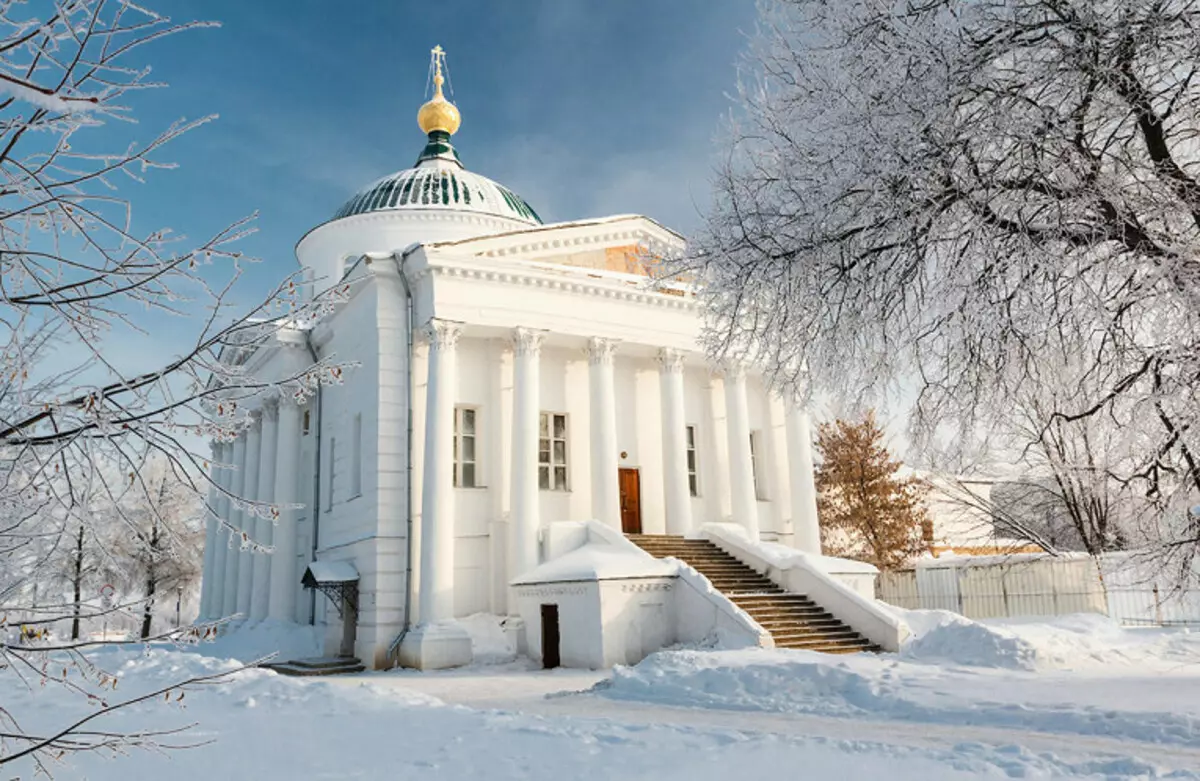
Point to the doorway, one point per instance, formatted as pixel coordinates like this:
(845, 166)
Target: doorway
(550, 637)
(630, 484)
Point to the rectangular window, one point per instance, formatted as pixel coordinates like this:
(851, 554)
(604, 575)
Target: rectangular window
(465, 463)
(356, 458)
(332, 463)
(692, 471)
(756, 461)
(307, 421)
(552, 452)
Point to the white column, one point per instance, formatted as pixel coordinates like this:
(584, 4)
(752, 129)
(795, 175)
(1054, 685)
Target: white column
(210, 535)
(606, 489)
(216, 603)
(741, 466)
(523, 529)
(281, 601)
(674, 431)
(438, 642)
(437, 490)
(498, 474)
(714, 460)
(805, 525)
(264, 526)
(249, 518)
(236, 487)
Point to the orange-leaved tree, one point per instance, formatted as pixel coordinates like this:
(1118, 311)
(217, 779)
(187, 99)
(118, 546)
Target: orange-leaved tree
(867, 510)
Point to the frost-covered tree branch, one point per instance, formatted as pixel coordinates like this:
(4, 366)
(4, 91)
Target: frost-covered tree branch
(79, 276)
(976, 194)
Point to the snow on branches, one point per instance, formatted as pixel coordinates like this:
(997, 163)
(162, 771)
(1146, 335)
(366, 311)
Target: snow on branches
(989, 197)
(77, 427)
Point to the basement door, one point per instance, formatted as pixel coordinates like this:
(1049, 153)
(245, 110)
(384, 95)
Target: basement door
(630, 484)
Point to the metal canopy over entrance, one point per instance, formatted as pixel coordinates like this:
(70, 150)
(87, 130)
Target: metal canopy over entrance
(338, 580)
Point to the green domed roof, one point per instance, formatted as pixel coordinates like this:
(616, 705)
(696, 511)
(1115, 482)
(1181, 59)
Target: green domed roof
(440, 188)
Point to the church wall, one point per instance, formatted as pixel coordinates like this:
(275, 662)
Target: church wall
(647, 402)
(473, 508)
(698, 410)
(763, 422)
(563, 389)
(636, 614)
(386, 464)
(365, 424)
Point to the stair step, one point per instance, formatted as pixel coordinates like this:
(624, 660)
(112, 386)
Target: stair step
(829, 649)
(790, 611)
(824, 635)
(783, 599)
(793, 620)
(311, 667)
(823, 647)
(784, 623)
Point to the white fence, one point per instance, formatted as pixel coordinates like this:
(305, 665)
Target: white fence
(1022, 585)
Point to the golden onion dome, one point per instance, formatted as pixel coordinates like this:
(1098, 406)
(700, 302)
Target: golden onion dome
(438, 113)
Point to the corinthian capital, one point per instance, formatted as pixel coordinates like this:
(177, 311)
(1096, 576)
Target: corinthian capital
(527, 341)
(441, 334)
(600, 351)
(670, 360)
(732, 370)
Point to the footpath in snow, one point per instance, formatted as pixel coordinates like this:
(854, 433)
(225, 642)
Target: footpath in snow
(1078, 698)
(1079, 675)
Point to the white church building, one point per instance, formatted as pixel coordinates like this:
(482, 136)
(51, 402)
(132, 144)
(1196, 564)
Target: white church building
(525, 397)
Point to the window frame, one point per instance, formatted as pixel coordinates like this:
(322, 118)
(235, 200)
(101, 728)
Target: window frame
(691, 460)
(457, 448)
(551, 465)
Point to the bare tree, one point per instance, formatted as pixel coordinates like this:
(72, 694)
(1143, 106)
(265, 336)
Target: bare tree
(75, 277)
(159, 540)
(975, 194)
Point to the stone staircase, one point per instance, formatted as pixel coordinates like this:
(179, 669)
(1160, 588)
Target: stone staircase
(323, 665)
(793, 620)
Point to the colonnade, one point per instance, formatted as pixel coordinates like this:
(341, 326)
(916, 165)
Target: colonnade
(436, 583)
(255, 471)
(261, 464)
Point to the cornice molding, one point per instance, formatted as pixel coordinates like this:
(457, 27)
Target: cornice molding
(568, 282)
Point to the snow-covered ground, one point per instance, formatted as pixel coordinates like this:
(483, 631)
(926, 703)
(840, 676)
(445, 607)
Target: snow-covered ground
(1078, 698)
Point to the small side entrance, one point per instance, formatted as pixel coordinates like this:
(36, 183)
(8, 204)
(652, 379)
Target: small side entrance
(338, 580)
(550, 637)
(630, 484)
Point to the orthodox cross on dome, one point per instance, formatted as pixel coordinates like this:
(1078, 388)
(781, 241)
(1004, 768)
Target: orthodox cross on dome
(438, 114)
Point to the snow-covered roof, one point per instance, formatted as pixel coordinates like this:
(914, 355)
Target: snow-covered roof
(330, 572)
(597, 562)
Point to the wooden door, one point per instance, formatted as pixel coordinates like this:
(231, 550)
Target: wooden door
(631, 500)
(550, 654)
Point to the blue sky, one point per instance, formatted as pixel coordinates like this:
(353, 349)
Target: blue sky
(584, 108)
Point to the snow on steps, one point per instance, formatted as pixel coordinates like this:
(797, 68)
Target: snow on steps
(321, 665)
(793, 620)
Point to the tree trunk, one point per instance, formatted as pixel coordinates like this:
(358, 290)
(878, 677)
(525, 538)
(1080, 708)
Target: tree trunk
(151, 582)
(147, 611)
(77, 583)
